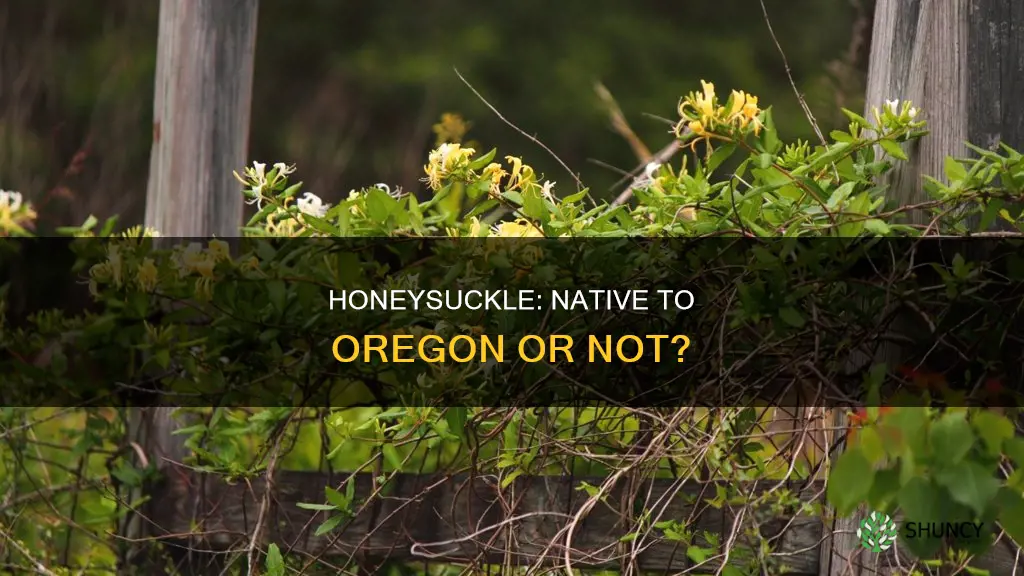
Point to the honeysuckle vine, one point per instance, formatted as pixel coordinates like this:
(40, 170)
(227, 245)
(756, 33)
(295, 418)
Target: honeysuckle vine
(737, 178)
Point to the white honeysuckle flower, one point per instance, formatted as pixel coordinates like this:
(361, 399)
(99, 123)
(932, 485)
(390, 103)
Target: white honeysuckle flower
(546, 191)
(10, 199)
(446, 150)
(652, 167)
(283, 169)
(259, 170)
(258, 176)
(354, 195)
(912, 113)
(312, 205)
(397, 192)
(893, 106)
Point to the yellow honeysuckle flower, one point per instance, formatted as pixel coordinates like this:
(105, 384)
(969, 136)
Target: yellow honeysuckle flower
(282, 223)
(705, 104)
(495, 172)
(751, 112)
(140, 232)
(116, 263)
(520, 228)
(147, 275)
(445, 160)
(100, 272)
(204, 288)
(736, 104)
(251, 264)
(192, 256)
(204, 267)
(218, 250)
(521, 173)
(517, 166)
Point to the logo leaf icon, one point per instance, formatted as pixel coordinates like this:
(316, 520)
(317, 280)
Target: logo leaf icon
(877, 532)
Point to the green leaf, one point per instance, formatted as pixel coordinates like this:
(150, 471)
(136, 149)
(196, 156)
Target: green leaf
(893, 149)
(277, 292)
(792, 317)
(969, 483)
(573, 198)
(291, 191)
(267, 209)
(993, 430)
(275, 563)
(127, 474)
(513, 197)
(696, 554)
(336, 498)
(840, 136)
(317, 507)
(482, 207)
(534, 206)
(955, 171)
(721, 154)
(392, 457)
(923, 501)
(590, 489)
(510, 478)
(853, 116)
(320, 225)
(828, 155)
(1011, 514)
(162, 357)
(885, 488)
(329, 525)
(877, 227)
(992, 210)
(1014, 448)
(483, 160)
(456, 416)
(850, 481)
(871, 444)
(770, 136)
(952, 437)
(379, 206)
(840, 194)
(912, 423)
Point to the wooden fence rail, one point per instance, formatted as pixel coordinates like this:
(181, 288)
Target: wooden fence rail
(462, 519)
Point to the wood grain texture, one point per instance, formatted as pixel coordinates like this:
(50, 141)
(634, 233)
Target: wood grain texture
(201, 113)
(470, 520)
(962, 63)
(919, 53)
(201, 110)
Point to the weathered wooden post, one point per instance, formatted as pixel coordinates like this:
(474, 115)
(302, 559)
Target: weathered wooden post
(201, 109)
(959, 61)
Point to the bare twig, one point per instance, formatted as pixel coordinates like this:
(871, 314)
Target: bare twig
(36, 564)
(620, 125)
(789, 75)
(663, 156)
(575, 177)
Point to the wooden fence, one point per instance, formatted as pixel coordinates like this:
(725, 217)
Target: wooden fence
(957, 59)
(537, 521)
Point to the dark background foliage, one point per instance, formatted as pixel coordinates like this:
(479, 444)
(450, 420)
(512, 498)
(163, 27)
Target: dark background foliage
(350, 90)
